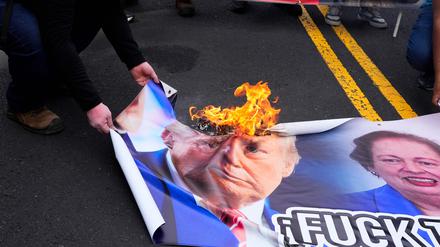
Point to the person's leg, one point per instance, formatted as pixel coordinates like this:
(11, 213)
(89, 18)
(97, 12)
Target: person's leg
(333, 16)
(85, 28)
(29, 71)
(27, 61)
(419, 49)
(372, 15)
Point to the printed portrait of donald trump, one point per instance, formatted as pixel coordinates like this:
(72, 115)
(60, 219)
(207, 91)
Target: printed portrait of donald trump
(228, 177)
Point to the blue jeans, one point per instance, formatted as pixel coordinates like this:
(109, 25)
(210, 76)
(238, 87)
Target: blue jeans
(419, 50)
(27, 60)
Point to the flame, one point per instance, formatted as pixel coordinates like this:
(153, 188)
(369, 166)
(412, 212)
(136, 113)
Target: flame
(254, 117)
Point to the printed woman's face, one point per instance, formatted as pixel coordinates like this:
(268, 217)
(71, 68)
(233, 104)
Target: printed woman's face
(410, 167)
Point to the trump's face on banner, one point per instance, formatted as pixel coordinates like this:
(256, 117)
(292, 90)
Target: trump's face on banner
(244, 169)
(230, 171)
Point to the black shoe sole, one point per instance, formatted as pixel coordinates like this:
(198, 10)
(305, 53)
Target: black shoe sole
(55, 127)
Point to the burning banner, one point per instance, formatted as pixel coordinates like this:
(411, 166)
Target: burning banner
(255, 117)
(239, 178)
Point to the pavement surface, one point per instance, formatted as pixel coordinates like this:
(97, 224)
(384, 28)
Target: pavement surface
(68, 189)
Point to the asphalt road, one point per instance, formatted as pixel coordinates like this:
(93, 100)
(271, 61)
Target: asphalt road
(68, 189)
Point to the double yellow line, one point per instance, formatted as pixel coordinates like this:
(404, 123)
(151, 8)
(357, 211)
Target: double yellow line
(348, 84)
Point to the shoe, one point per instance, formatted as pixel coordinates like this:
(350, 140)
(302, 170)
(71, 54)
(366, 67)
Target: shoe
(426, 81)
(238, 7)
(373, 17)
(333, 16)
(130, 17)
(185, 8)
(40, 121)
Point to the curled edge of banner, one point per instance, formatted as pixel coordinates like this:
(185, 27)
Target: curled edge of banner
(307, 127)
(150, 213)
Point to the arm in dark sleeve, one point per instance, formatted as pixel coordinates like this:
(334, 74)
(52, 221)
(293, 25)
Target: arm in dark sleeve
(56, 20)
(117, 30)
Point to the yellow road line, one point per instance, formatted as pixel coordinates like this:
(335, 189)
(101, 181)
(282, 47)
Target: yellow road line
(354, 93)
(378, 78)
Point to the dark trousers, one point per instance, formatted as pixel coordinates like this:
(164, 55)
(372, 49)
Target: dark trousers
(419, 50)
(29, 66)
(27, 60)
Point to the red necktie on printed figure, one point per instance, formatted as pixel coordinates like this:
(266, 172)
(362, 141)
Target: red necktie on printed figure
(233, 218)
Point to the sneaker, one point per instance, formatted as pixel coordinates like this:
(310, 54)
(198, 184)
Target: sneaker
(238, 7)
(333, 16)
(426, 81)
(40, 121)
(185, 8)
(373, 17)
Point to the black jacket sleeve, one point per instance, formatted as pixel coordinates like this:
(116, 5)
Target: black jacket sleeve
(117, 30)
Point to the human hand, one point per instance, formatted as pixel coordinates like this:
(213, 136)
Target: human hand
(142, 73)
(436, 94)
(100, 118)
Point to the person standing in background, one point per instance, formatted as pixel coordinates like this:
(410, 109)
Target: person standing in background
(436, 40)
(419, 51)
(368, 14)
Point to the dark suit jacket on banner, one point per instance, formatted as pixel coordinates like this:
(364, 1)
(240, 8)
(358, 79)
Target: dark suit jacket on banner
(186, 222)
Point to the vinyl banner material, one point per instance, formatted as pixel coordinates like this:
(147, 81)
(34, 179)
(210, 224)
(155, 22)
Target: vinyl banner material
(339, 182)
